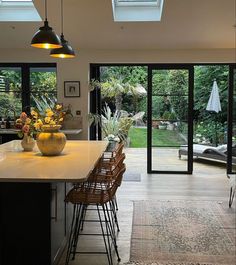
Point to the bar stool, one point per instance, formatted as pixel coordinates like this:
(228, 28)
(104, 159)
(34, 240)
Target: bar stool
(108, 171)
(99, 193)
(110, 154)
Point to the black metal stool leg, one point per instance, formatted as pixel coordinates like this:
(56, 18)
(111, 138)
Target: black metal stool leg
(107, 243)
(83, 217)
(110, 222)
(231, 196)
(71, 233)
(112, 230)
(116, 204)
(77, 229)
(115, 215)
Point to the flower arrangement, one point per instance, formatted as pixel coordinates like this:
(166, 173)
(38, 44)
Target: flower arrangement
(26, 125)
(53, 116)
(112, 137)
(33, 123)
(114, 126)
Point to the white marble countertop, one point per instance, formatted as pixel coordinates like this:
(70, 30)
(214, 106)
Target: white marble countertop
(15, 131)
(73, 165)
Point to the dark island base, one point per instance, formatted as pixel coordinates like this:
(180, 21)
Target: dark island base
(32, 223)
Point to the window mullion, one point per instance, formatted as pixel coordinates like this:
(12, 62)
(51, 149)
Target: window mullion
(25, 88)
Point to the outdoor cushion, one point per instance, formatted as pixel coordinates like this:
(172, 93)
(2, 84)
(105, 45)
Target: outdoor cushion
(208, 152)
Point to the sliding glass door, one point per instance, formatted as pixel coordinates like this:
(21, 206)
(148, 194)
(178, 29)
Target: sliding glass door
(170, 119)
(231, 136)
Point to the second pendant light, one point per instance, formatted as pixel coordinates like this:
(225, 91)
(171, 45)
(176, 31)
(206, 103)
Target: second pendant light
(66, 51)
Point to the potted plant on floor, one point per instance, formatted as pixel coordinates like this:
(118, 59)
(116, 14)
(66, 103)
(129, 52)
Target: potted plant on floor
(164, 122)
(162, 125)
(172, 119)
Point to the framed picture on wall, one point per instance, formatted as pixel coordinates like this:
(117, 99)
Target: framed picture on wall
(71, 89)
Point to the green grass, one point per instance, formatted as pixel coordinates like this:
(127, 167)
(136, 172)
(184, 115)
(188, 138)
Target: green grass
(138, 137)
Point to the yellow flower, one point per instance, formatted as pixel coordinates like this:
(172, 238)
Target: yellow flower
(34, 114)
(27, 121)
(52, 122)
(49, 113)
(47, 120)
(38, 124)
(58, 107)
(61, 119)
(40, 121)
(18, 121)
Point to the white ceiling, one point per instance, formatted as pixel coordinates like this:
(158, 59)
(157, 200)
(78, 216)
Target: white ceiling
(88, 24)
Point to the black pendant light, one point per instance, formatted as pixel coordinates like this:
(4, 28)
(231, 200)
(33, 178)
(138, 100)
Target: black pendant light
(66, 51)
(45, 37)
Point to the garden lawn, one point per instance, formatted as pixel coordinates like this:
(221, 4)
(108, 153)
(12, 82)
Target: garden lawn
(138, 137)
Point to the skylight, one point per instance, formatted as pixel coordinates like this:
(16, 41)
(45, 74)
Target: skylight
(18, 10)
(136, 2)
(137, 10)
(16, 0)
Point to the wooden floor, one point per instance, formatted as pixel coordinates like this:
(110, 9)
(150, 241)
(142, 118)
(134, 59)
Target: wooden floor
(208, 182)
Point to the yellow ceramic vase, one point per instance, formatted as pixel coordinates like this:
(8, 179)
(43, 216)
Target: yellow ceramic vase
(50, 141)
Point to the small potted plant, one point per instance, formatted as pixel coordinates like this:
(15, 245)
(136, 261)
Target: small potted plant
(162, 125)
(172, 119)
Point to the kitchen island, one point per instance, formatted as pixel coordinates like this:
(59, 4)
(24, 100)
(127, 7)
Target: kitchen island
(34, 219)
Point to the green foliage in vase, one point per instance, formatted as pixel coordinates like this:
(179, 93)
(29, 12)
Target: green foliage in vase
(112, 123)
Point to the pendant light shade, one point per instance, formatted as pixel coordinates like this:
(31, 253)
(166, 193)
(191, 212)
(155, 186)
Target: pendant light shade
(45, 37)
(66, 51)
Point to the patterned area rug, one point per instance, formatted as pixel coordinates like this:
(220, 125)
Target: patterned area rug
(183, 233)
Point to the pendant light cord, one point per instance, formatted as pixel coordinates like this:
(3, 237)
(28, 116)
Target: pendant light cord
(62, 17)
(46, 11)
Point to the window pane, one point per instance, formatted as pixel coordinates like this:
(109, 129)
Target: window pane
(42, 100)
(10, 79)
(10, 104)
(43, 87)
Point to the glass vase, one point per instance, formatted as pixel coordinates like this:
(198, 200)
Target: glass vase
(27, 143)
(51, 141)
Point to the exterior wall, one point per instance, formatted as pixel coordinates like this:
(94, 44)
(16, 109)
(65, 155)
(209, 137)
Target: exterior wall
(78, 69)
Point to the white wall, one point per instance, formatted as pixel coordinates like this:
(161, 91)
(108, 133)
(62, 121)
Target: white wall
(78, 69)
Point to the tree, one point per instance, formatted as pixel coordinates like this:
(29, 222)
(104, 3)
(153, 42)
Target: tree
(120, 85)
(178, 88)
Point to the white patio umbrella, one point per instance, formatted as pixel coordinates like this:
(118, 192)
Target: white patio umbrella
(214, 100)
(214, 103)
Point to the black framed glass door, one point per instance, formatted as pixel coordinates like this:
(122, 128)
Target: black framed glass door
(170, 118)
(231, 135)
